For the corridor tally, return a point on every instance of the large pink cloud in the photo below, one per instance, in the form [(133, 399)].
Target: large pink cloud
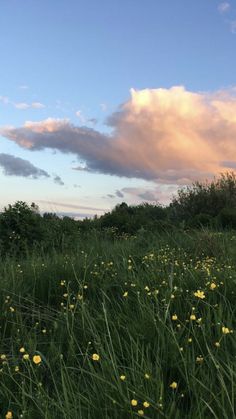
[(166, 135)]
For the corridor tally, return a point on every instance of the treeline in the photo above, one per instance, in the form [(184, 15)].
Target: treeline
[(203, 204)]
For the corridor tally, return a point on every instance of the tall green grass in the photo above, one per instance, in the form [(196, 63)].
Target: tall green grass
[(128, 302)]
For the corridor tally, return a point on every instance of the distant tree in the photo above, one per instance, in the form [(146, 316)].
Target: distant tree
[(209, 198), (20, 227)]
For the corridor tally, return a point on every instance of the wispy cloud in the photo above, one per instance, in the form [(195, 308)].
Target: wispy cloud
[(72, 206), (15, 166), (166, 135), (58, 180), (233, 26), (4, 100), (159, 193), (224, 7), (33, 105)]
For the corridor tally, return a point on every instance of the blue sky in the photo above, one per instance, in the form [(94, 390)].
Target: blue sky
[(77, 61)]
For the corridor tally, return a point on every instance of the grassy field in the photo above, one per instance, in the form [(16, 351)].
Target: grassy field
[(136, 327)]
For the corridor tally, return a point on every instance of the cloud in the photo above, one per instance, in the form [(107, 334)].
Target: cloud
[(24, 87), (57, 179), (4, 100), (33, 105), (233, 26), (15, 166), (160, 193), (224, 7), (103, 107), (72, 206), (165, 135), (119, 194)]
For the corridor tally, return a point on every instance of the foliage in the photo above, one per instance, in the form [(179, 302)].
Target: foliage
[(118, 330), (20, 228), (208, 198)]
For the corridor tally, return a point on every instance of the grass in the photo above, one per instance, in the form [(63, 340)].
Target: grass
[(110, 323)]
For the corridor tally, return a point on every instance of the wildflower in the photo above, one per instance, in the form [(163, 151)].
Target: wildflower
[(71, 306), (134, 402), (174, 385), (3, 356), (22, 350), (226, 330), (122, 377), (217, 344), (190, 340), (12, 309), (26, 356), (146, 404), (213, 286), (192, 317), (199, 359), (140, 412), (147, 288), (125, 294), (37, 359), (9, 415), (200, 294), (17, 368), (95, 357), (147, 376), (44, 331), (174, 317)]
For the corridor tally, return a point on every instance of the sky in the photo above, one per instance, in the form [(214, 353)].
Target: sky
[(109, 101)]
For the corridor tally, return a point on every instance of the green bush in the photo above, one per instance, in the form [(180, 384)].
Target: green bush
[(227, 218), (20, 228)]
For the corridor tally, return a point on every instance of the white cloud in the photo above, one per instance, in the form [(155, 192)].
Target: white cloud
[(22, 105), (233, 26), (33, 105), (224, 7), (24, 87)]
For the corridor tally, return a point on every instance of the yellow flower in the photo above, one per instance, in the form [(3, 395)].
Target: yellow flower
[(37, 359), (3, 356), (146, 404), (217, 344), (174, 317), (140, 412), (125, 294), (147, 376), (134, 402), (22, 350), (122, 377), (95, 357), (17, 368), (174, 385), (225, 330), (192, 317), (190, 340), (9, 415), (200, 294), (213, 285), (199, 359), (26, 356)]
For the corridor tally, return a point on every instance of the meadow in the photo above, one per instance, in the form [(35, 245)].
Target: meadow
[(137, 326)]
